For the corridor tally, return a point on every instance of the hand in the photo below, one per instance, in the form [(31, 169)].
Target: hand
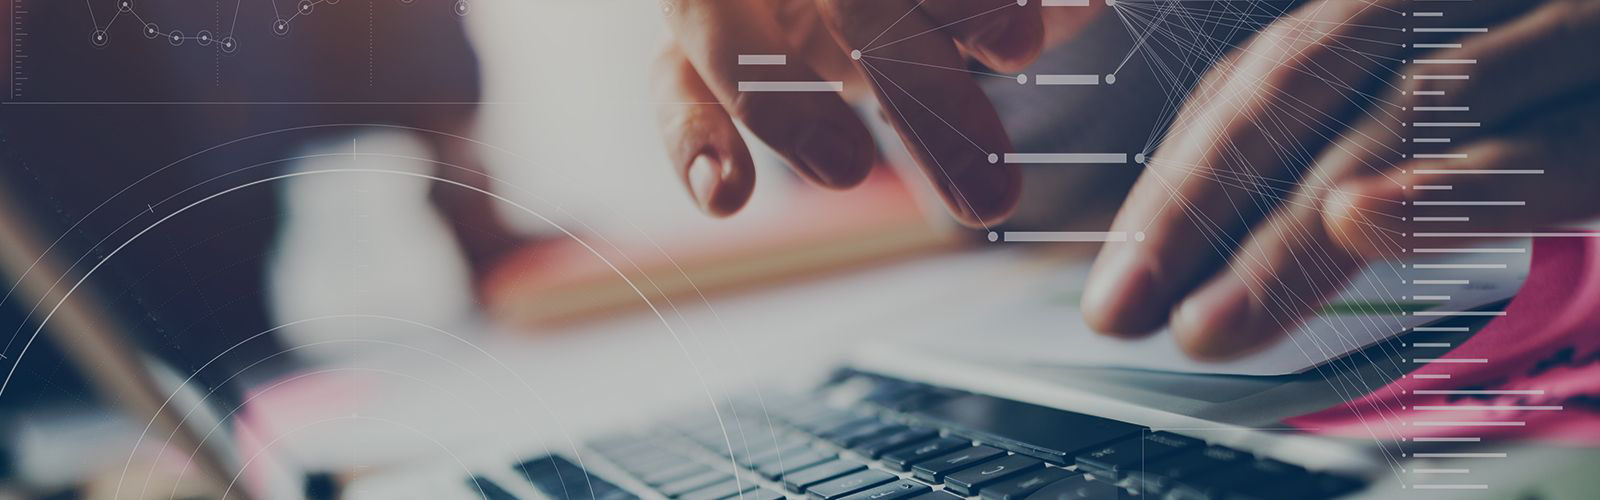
[(1284, 173), (910, 56)]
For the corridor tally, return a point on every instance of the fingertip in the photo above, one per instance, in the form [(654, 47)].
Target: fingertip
[(1212, 327), (1012, 44), (1224, 322), (720, 187), (836, 157), (986, 194), (1118, 300)]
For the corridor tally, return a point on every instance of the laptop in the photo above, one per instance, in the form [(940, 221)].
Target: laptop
[(894, 421)]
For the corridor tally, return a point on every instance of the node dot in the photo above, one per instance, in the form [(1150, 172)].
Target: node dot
[(98, 38), (305, 6), (280, 27), (229, 44), (855, 54), (1111, 3), (175, 37), (1138, 236), (993, 236), (125, 5), (1022, 79), (151, 31), (1022, 3), (1110, 79), (994, 158), (204, 37), (461, 7), (1138, 158)]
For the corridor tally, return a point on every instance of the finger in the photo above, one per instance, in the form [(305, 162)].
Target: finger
[(1006, 35), (705, 148), (816, 132), (1512, 184), (1252, 123), (1287, 269), (943, 117), (1520, 183), (1484, 83)]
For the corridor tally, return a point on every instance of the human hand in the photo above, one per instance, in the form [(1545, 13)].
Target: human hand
[(910, 53), (1284, 173)]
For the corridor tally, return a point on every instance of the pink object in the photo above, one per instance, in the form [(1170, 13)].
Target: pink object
[(1549, 340)]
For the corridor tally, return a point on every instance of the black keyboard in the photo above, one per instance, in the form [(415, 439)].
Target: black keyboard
[(903, 441)]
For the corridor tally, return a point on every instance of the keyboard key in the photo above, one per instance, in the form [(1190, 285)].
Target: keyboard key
[(832, 433), (842, 486), (775, 467), (762, 494), (865, 433), (1055, 436), (664, 476), (650, 462), (933, 471), (830, 419), (1161, 475), (877, 447), (1021, 485), (1114, 461), (903, 459), (898, 490), (970, 481), (720, 490), (561, 479), (797, 481), (935, 495), (794, 449), (1080, 487), (694, 482), (487, 490)]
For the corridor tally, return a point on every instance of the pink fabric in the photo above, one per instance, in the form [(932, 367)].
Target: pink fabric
[(1548, 340)]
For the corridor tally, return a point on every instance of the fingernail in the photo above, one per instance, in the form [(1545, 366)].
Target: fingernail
[(830, 158), (704, 174), (1217, 322), (1117, 292), (986, 193)]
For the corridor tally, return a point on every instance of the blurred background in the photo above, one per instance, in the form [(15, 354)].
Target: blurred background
[(317, 193)]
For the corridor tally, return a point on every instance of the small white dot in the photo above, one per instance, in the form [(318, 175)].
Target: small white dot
[(1023, 79), (993, 236), (1139, 158), (994, 158), (1138, 236), (1110, 79), (1022, 3), (855, 54)]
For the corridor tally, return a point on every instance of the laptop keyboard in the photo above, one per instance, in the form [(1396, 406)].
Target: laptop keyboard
[(947, 446)]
